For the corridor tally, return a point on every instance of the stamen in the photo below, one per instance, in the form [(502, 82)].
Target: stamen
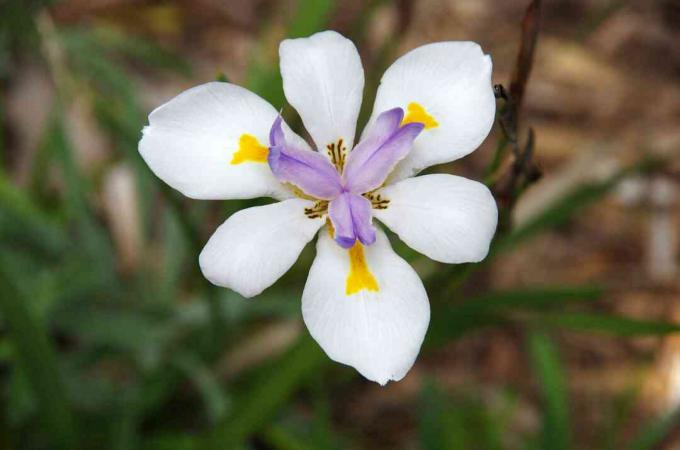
[(317, 211), (338, 153), (377, 201), (359, 277), (299, 193)]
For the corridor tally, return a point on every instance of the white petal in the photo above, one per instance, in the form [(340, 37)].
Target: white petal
[(191, 140), (378, 333), (447, 218), (451, 81), (323, 79), (256, 246)]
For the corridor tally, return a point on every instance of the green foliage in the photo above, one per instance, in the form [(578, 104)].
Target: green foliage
[(266, 396), (462, 421), (101, 358), (555, 428), (264, 77), (655, 431), (38, 362)]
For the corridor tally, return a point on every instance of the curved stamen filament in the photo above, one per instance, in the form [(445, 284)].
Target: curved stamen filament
[(319, 209), (377, 200), (338, 153)]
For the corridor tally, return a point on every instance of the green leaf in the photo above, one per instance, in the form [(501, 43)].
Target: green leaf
[(655, 431), (222, 77), (566, 207), (138, 49), (310, 16), (206, 383), (544, 358), (22, 222), (270, 390), (601, 323), (533, 298), (174, 441), (281, 438), (447, 324), (37, 357), (264, 77), (450, 321), (440, 426)]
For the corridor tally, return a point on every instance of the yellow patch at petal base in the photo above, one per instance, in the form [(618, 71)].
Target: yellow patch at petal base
[(359, 276), (249, 149), (416, 113)]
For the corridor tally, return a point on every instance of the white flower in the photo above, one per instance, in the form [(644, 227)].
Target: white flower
[(362, 303)]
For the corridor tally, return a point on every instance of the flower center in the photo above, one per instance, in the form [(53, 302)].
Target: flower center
[(344, 184)]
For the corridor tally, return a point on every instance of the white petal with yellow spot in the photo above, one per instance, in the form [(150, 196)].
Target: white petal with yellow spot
[(447, 86), (378, 331), (210, 142)]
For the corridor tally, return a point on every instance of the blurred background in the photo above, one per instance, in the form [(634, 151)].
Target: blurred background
[(563, 338)]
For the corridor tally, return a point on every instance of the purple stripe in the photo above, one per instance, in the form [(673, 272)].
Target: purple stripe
[(386, 143), (350, 215), (308, 170)]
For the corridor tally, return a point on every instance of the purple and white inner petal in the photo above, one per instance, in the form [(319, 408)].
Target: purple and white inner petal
[(386, 143), (347, 190), (351, 217), (308, 170)]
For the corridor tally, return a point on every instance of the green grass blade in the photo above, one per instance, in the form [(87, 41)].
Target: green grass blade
[(280, 438), (264, 77), (655, 431), (452, 321), (21, 222), (310, 17), (544, 358), (39, 361), (564, 208), (601, 323), (533, 298), (440, 426), (270, 390)]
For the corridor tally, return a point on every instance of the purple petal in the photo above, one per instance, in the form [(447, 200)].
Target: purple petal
[(308, 170), (351, 218), (386, 143)]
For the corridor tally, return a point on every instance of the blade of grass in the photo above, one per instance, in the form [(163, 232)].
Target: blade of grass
[(21, 221), (264, 77), (533, 298), (271, 389), (544, 359), (280, 438), (444, 282), (608, 324), (310, 17), (451, 321), (440, 426), (39, 361), (655, 431), (566, 207)]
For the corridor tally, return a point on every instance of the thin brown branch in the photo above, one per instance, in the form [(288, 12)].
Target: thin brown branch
[(525, 57), (523, 171)]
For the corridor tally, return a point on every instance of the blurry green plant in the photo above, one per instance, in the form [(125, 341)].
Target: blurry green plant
[(91, 357)]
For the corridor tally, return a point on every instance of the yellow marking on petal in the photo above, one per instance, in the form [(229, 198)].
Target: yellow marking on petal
[(416, 113), (359, 276), (249, 149), (330, 228)]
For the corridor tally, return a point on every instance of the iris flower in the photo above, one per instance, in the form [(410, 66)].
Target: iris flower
[(363, 304)]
